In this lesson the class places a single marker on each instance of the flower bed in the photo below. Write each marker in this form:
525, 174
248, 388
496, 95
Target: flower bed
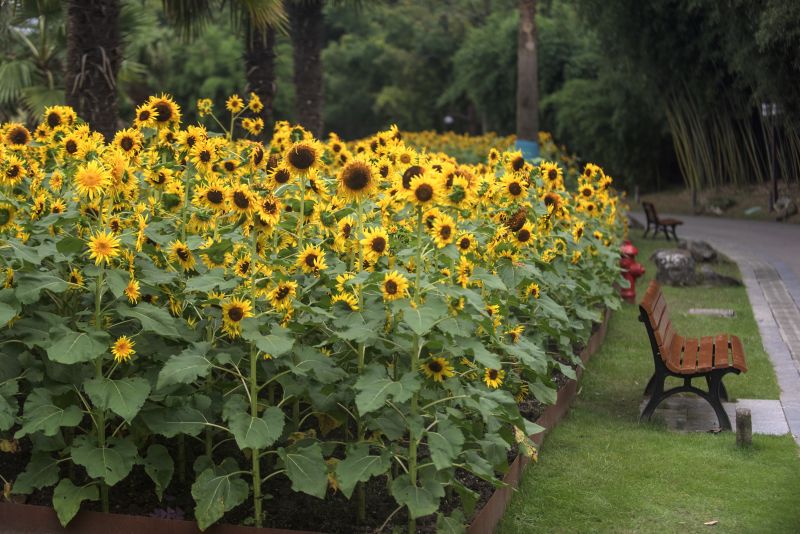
247, 326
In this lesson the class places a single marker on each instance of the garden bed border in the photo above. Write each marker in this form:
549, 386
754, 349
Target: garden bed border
37, 519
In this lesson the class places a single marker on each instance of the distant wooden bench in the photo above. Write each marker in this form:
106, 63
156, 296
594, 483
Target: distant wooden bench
710, 357
658, 224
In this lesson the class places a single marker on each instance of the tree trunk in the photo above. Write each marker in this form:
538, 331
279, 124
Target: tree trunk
93, 60
307, 39
527, 74
259, 60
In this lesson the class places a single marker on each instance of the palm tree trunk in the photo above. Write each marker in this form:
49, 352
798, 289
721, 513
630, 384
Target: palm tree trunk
527, 74
93, 60
259, 60
307, 39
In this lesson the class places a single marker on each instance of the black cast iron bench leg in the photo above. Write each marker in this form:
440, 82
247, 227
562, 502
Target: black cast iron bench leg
714, 380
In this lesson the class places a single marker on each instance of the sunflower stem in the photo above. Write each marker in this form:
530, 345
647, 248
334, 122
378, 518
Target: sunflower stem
100, 416
412, 435
362, 493
301, 217
256, 470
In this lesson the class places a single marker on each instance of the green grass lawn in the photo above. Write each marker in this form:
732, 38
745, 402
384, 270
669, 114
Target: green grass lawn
600, 471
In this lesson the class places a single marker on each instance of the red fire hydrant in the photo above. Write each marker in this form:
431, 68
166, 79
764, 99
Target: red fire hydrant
631, 270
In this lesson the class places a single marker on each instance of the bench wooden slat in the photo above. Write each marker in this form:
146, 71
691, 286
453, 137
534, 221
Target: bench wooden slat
689, 354
738, 354
669, 335
721, 352
706, 351
674, 354
705, 359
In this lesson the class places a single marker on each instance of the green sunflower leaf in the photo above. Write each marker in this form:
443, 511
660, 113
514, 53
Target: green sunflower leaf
306, 468
41, 414
257, 432
71, 347
159, 467
152, 319
125, 397
359, 466
41, 472
111, 463
420, 501
217, 490
185, 367
67, 499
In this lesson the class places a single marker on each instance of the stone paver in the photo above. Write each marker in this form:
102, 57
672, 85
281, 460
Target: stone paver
768, 255
693, 414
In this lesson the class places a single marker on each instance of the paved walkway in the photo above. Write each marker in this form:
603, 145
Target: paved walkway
768, 255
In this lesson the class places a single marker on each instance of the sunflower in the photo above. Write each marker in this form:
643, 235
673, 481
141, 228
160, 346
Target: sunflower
466, 242
159, 177
145, 116
494, 377
280, 175
525, 236
129, 141
203, 155
122, 349
375, 244
103, 247
394, 286
179, 252
75, 278
516, 163
346, 300
243, 266
92, 180
254, 103
514, 334
212, 195
356, 179
234, 104
586, 191
53, 116
552, 200
493, 157
423, 191
513, 186
551, 173
533, 290
303, 156
281, 296
241, 199
577, 231
465, 268
17, 134
269, 210
58, 206
132, 291
437, 368
444, 230
14, 171
233, 312
167, 111
311, 260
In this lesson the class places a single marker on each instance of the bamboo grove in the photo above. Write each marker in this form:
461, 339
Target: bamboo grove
228, 314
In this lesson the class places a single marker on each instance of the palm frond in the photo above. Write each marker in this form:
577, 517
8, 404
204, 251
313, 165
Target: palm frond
15, 75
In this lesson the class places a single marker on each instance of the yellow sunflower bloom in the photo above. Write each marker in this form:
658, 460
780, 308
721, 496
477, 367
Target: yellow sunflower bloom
437, 369
122, 349
103, 247
394, 286
92, 180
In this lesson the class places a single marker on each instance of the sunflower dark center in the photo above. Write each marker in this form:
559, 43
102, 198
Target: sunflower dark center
424, 193
445, 232
552, 174
517, 163
435, 367
549, 200
126, 143
5, 216
182, 253
244, 267
346, 229
523, 236
258, 156
378, 244
282, 176
164, 111
161, 178
235, 314
282, 293
144, 115
384, 171
269, 207
229, 166
71, 146
190, 141
115, 226
13, 171
241, 200
411, 172
515, 189
373, 146
336, 147
464, 243
311, 260
391, 287
356, 177
205, 156
214, 196
493, 374
53, 119
18, 136
73, 279
587, 192
302, 157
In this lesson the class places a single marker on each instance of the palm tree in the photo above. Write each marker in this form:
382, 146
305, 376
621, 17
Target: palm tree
261, 20
308, 27
527, 81
94, 55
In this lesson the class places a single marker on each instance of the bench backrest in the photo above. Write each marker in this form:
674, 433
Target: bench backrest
654, 311
650, 212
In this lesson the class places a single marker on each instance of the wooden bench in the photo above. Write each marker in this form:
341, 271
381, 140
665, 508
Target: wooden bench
665, 225
710, 357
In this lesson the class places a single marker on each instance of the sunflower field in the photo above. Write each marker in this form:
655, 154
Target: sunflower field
230, 315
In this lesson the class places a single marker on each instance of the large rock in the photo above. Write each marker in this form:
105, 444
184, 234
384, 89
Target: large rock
675, 267
710, 277
785, 207
700, 250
